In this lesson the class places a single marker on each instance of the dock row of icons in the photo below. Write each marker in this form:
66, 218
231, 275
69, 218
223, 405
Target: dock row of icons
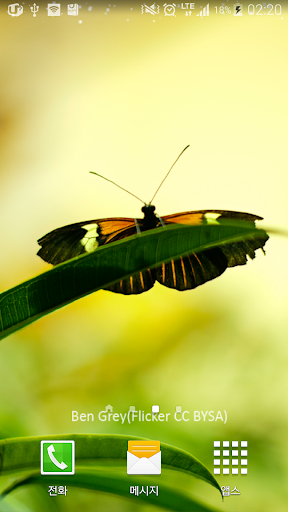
170, 9
52, 9
143, 457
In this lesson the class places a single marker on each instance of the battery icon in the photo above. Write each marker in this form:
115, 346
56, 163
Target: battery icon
238, 10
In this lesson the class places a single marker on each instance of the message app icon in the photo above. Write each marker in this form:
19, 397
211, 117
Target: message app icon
143, 458
57, 457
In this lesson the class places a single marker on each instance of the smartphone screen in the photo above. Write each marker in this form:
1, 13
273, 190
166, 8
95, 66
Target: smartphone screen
166, 390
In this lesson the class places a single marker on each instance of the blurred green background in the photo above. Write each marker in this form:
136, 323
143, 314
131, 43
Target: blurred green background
122, 94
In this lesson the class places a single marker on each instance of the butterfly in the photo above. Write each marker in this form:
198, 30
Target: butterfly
185, 273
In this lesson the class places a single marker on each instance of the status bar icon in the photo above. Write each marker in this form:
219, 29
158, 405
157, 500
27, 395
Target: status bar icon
169, 9
204, 11
15, 9
152, 9
72, 9
34, 9
237, 10
54, 9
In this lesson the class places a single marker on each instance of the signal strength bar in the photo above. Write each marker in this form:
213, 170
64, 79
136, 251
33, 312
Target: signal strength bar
204, 12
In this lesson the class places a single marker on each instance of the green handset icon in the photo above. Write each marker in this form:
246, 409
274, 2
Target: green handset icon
57, 457
60, 465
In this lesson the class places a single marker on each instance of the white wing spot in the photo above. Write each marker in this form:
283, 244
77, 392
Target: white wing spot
211, 218
89, 241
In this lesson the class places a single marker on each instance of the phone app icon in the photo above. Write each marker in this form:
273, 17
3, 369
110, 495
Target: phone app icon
57, 457
143, 458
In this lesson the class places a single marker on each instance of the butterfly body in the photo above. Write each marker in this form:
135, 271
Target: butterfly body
185, 273
150, 220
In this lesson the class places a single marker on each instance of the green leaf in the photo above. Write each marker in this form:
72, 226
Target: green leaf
95, 454
85, 274
109, 482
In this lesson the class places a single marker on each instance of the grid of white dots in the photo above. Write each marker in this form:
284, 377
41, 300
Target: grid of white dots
234, 460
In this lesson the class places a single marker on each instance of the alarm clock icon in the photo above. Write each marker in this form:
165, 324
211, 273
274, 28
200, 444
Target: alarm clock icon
169, 9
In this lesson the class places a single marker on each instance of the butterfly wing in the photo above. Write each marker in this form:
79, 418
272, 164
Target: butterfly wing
194, 269
67, 242
208, 216
83, 237
138, 283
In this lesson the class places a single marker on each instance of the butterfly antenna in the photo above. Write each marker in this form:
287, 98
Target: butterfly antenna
169, 172
91, 172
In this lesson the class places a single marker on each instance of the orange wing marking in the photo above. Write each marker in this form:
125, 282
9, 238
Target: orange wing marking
142, 280
173, 272
199, 263
192, 268
190, 218
184, 272
150, 275
163, 272
131, 283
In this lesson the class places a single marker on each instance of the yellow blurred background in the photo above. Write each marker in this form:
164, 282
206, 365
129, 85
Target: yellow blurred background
122, 94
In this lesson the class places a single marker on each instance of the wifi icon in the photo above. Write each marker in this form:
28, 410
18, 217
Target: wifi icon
54, 9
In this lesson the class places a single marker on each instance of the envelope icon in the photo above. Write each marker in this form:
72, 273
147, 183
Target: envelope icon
143, 458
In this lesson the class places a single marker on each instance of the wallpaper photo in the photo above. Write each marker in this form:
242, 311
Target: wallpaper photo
120, 90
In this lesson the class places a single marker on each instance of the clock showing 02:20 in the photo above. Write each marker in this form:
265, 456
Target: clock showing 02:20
261, 10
